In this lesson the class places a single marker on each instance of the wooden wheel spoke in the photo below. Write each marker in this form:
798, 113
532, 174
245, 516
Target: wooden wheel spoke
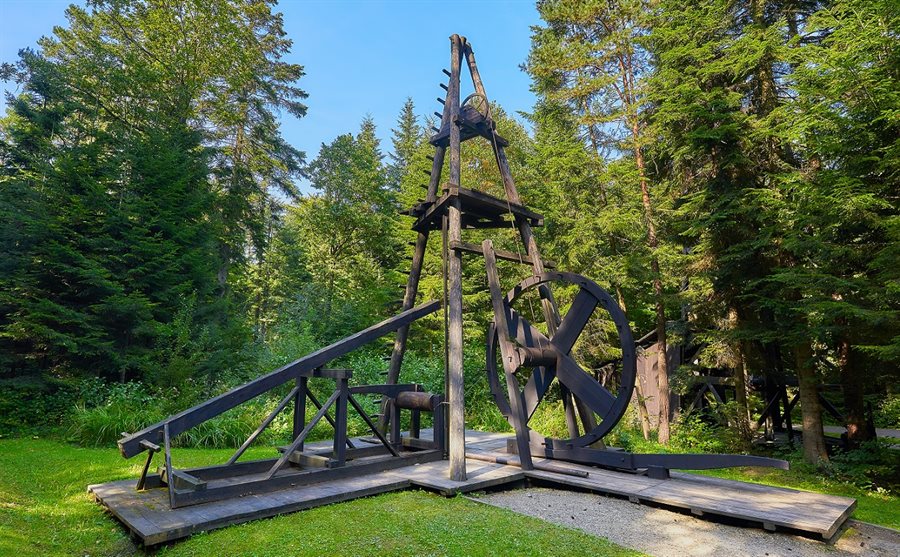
575, 321
569, 373
582, 385
527, 335
536, 388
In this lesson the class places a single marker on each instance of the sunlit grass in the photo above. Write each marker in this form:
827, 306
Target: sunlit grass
45, 510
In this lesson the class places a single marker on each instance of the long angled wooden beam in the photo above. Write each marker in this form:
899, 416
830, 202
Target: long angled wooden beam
131, 445
548, 303
510, 363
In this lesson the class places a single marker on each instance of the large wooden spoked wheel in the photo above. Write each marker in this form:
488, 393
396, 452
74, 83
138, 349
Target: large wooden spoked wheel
608, 406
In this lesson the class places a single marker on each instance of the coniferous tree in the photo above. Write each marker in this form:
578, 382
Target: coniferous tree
590, 56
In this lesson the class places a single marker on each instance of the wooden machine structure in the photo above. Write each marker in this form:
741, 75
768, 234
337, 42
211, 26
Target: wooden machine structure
523, 359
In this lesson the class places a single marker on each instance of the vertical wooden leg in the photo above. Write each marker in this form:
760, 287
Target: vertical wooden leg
170, 480
415, 422
395, 424
454, 280
440, 427
300, 408
340, 422
143, 478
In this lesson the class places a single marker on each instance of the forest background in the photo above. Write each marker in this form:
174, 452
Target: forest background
728, 171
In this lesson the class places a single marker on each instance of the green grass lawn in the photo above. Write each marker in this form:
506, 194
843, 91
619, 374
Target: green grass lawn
45, 510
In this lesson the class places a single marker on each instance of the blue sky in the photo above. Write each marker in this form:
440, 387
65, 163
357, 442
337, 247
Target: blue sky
360, 57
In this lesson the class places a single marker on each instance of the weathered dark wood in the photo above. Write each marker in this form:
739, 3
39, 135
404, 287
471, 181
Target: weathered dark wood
300, 406
515, 461
510, 362
472, 125
147, 514
411, 400
142, 480
455, 392
130, 446
291, 477
317, 404
306, 460
500, 254
340, 418
300, 438
265, 423
182, 480
377, 432
479, 209
167, 460
390, 390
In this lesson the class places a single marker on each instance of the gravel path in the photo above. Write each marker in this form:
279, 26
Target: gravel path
664, 533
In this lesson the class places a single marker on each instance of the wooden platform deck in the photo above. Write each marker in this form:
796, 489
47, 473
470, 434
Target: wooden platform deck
148, 516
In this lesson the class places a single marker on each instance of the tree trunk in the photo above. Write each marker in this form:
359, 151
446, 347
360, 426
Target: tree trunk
662, 377
814, 450
642, 409
740, 383
853, 387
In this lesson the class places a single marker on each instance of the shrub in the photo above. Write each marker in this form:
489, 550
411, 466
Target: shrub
888, 413
33, 403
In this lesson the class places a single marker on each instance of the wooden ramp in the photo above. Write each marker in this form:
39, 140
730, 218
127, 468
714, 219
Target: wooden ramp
148, 516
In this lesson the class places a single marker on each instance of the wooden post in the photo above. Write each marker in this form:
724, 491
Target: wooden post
454, 283
340, 419
300, 407
412, 285
548, 303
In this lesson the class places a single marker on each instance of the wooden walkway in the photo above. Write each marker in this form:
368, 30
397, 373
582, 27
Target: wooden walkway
148, 516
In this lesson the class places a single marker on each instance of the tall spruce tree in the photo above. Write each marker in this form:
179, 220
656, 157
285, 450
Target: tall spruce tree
590, 56
133, 166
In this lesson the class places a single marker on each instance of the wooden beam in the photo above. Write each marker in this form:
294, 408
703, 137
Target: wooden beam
455, 395
499, 254
510, 361
131, 445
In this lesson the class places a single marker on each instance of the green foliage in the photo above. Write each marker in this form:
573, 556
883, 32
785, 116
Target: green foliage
888, 412
30, 404
874, 466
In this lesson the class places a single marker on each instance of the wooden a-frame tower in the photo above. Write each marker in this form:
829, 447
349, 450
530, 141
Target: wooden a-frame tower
451, 208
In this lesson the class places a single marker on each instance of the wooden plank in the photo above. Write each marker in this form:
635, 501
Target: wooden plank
148, 515
150, 519
510, 362
475, 205
499, 253
230, 488
473, 125
479, 201
479, 475
130, 446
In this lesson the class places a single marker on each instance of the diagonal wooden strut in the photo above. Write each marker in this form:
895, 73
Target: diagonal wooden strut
510, 364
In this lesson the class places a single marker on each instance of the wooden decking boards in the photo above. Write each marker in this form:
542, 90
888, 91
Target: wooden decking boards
148, 516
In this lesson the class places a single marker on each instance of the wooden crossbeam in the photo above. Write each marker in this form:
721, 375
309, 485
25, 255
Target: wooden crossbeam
499, 254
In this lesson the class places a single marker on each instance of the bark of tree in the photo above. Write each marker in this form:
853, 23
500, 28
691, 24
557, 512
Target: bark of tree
852, 383
740, 382
662, 377
814, 450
